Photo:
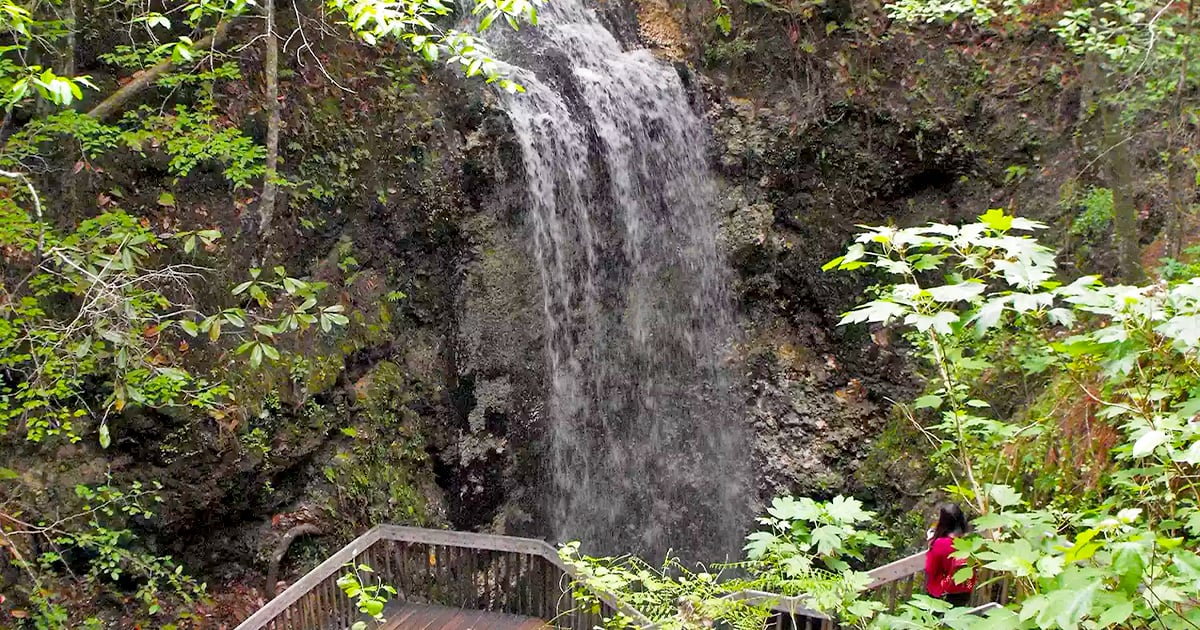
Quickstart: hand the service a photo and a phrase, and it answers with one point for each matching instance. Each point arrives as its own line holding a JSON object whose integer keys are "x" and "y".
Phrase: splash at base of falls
{"x": 648, "y": 448}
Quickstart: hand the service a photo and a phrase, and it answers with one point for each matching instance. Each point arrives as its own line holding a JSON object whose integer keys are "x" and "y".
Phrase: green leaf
{"x": 847, "y": 510}
{"x": 1148, "y": 441}
{"x": 997, "y": 220}
{"x": 234, "y": 318}
{"x": 828, "y": 539}
{"x": 1004, "y": 496}
{"x": 1116, "y": 614}
{"x": 797, "y": 565}
{"x": 1188, "y": 564}
{"x": 8, "y": 473}
{"x": 1069, "y": 606}
{"x": 1050, "y": 566}
{"x": 957, "y": 292}
{"x": 724, "y": 23}
{"x": 791, "y": 509}
{"x": 833, "y": 263}
{"x": 928, "y": 401}
{"x": 877, "y": 311}
{"x": 989, "y": 314}
{"x": 941, "y": 322}
{"x": 1128, "y": 563}
{"x": 757, "y": 543}
{"x": 105, "y": 438}
{"x": 962, "y": 575}
{"x": 1129, "y": 515}
{"x": 1184, "y": 330}
{"x": 258, "y": 294}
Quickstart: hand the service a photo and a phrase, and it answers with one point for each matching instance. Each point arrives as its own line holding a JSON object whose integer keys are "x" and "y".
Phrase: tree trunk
{"x": 266, "y": 203}
{"x": 1120, "y": 181}
{"x": 72, "y": 28}
{"x": 1179, "y": 187}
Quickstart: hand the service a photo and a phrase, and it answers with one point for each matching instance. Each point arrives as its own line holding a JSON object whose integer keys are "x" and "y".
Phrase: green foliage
{"x": 415, "y": 23}
{"x": 193, "y": 137}
{"x": 26, "y": 31}
{"x": 950, "y": 10}
{"x": 375, "y": 475}
{"x": 723, "y": 20}
{"x": 1015, "y": 173}
{"x": 121, "y": 312}
{"x": 99, "y": 531}
{"x": 1118, "y": 30}
{"x": 101, "y": 302}
{"x": 1136, "y": 52}
{"x": 1122, "y": 556}
{"x": 369, "y": 596}
{"x": 1095, "y": 218}
{"x": 724, "y": 51}
{"x": 781, "y": 560}
{"x": 948, "y": 318}
{"x": 802, "y": 530}
{"x": 1175, "y": 270}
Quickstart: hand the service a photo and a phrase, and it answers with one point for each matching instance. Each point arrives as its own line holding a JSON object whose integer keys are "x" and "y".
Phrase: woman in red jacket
{"x": 939, "y": 566}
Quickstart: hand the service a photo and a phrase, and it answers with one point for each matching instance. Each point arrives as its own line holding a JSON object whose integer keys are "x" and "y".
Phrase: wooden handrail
{"x": 905, "y": 568}
{"x": 433, "y": 537}
{"x": 797, "y": 605}
{"x": 293, "y": 593}
{"x": 898, "y": 570}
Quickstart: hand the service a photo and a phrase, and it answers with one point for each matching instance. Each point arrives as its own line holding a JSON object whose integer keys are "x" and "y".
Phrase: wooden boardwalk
{"x": 427, "y": 617}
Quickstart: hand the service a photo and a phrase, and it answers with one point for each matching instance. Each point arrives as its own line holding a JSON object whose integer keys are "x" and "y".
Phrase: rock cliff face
{"x": 819, "y": 121}
{"x": 431, "y": 409}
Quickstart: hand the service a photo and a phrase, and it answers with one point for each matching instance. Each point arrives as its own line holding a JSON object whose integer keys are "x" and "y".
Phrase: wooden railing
{"x": 893, "y": 584}
{"x": 458, "y": 569}
{"x": 525, "y": 577}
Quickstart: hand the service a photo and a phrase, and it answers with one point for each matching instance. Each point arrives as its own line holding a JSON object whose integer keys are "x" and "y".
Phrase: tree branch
{"x": 118, "y": 99}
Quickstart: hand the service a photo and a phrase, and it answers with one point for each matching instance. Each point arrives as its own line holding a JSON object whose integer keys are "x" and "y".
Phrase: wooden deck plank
{"x": 404, "y": 616}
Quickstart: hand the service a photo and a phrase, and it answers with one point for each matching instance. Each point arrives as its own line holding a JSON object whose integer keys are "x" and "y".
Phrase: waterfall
{"x": 647, "y": 449}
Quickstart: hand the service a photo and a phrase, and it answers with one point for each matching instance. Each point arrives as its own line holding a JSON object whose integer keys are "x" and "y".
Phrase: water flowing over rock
{"x": 647, "y": 447}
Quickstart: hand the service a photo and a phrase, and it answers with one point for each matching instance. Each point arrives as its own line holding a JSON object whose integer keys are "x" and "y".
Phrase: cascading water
{"x": 647, "y": 452}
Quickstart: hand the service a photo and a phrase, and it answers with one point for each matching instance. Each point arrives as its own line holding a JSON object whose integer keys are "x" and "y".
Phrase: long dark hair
{"x": 951, "y": 522}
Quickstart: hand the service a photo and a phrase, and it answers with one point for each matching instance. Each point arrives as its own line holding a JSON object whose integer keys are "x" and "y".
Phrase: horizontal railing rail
{"x": 459, "y": 569}
{"x": 892, "y": 584}
{"x": 525, "y": 576}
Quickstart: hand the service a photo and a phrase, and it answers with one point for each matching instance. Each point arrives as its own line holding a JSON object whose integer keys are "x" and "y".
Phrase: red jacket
{"x": 940, "y": 569}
